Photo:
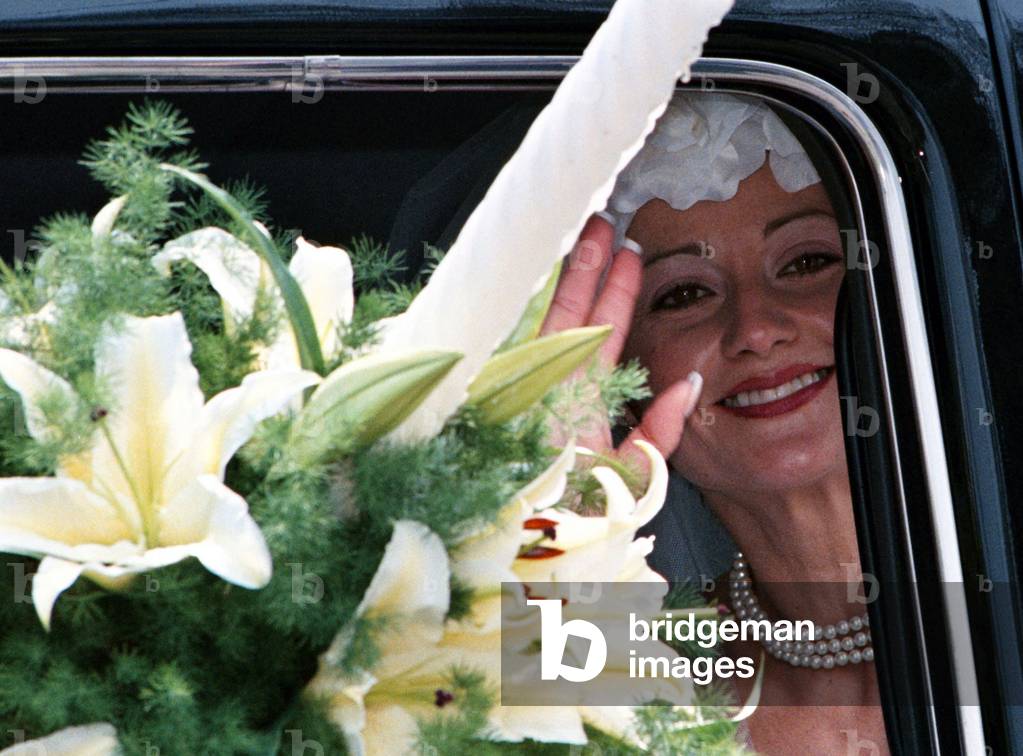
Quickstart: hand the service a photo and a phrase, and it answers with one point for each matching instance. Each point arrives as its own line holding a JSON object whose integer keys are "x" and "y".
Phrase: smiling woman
{"x": 754, "y": 316}
{"x": 724, "y": 284}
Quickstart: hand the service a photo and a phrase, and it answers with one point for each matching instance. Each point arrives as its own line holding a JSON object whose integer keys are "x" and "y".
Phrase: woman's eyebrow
{"x": 699, "y": 250}
{"x": 777, "y": 223}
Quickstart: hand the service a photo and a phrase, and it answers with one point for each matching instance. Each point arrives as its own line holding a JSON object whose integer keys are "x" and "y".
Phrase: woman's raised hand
{"x": 580, "y": 300}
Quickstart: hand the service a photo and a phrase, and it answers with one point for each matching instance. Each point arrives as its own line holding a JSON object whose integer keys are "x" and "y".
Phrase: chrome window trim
{"x": 461, "y": 73}
{"x": 288, "y": 73}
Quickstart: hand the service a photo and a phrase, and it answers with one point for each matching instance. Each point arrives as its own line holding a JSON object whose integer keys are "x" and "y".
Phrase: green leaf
{"x": 529, "y": 325}
{"x": 294, "y": 301}
{"x": 512, "y": 381}
{"x": 363, "y": 400}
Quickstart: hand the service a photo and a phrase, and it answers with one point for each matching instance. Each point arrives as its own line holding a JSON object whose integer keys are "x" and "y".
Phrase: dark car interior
{"x": 404, "y": 169}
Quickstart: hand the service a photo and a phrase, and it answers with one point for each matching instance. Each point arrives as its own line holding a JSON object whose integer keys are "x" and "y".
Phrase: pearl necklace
{"x": 845, "y": 642}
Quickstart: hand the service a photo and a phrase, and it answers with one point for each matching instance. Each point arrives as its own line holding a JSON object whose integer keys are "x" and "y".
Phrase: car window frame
{"x": 305, "y": 76}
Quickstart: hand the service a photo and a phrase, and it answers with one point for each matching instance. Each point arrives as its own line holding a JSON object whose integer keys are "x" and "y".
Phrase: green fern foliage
{"x": 180, "y": 662}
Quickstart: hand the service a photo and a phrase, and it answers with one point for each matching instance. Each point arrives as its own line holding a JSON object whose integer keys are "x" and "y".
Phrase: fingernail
{"x": 587, "y": 256}
{"x": 607, "y": 216}
{"x": 696, "y": 382}
{"x": 632, "y": 246}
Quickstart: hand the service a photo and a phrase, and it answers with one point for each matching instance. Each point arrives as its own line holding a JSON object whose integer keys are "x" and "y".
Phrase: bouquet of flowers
{"x": 261, "y": 495}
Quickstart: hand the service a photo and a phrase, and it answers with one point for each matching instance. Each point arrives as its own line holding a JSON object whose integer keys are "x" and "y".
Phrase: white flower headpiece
{"x": 702, "y": 147}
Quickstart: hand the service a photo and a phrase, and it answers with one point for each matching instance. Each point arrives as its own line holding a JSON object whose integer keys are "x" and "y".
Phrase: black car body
{"x": 937, "y": 490}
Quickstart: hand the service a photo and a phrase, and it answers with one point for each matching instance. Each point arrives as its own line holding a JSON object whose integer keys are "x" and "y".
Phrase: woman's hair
{"x": 820, "y": 152}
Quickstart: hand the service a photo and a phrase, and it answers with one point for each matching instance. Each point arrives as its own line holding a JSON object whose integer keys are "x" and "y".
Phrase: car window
{"x": 834, "y": 280}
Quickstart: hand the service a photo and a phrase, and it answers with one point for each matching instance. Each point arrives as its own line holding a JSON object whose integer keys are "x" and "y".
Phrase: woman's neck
{"x": 801, "y": 547}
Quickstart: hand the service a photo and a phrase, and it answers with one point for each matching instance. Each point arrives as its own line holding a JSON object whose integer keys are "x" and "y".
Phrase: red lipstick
{"x": 773, "y": 380}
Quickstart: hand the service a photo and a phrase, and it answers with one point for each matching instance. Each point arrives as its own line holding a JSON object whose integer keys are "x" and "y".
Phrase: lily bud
{"x": 532, "y": 319}
{"x": 363, "y": 400}
{"x": 511, "y": 382}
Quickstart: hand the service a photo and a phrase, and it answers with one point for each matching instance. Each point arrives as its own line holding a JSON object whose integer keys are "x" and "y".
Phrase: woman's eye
{"x": 681, "y": 296}
{"x": 810, "y": 262}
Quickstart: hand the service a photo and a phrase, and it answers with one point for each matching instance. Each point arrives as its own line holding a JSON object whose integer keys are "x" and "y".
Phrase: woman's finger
{"x": 616, "y": 303}
{"x": 664, "y": 420}
{"x": 573, "y": 299}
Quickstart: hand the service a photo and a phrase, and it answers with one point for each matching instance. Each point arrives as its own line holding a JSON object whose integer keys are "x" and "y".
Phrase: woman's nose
{"x": 756, "y": 323}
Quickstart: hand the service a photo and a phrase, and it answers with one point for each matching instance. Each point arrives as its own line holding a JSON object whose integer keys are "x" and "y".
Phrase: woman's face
{"x": 744, "y": 291}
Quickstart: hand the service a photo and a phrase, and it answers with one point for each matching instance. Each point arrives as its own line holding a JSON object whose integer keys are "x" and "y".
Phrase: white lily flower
{"x": 150, "y": 491}
{"x": 87, "y": 740}
{"x": 562, "y": 547}
{"x": 598, "y": 549}
{"x": 238, "y": 273}
{"x": 483, "y": 562}
{"x": 378, "y": 712}
{"x": 17, "y": 328}
{"x": 103, "y": 223}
